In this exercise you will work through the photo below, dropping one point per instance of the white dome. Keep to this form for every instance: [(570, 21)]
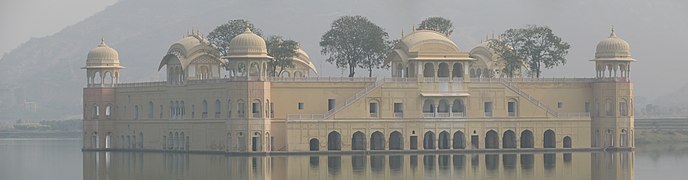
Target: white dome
[(613, 48), (247, 44), (102, 56), (428, 41)]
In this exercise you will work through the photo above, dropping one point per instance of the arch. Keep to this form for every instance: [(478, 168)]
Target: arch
[(443, 106), (491, 140), (396, 141), (177, 109), (230, 144), (443, 142), (358, 141), (254, 69), (509, 139), (487, 73), (527, 139), (298, 74), (285, 74), (218, 108), (257, 144), (567, 142), (107, 79), (256, 108), (443, 70), (377, 141), (458, 106), (457, 70), (136, 112), (229, 108), (170, 144), (623, 138), (205, 109), (313, 144), (472, 73), (177, 144), (140, 140), (108, 111), (334, 141), (549, 139), (623, 107), (609, 107), (182, 110), (428, 106), (479, 73), (429, 140), (428, 70), (411, 70), (150, 109), (459, 141), (97, 78), (96, 111)]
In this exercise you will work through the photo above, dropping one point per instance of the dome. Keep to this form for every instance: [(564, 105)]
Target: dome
[(613, 48), (102, 56), (429, 41), (303, 58), (247, 44)]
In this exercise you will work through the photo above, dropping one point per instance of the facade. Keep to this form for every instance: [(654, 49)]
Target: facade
[(437, 98)]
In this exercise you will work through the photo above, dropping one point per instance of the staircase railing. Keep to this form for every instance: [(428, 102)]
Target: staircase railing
[(360, 94), (528, 97)]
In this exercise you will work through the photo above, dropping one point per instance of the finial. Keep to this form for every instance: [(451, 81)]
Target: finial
[(102, 40), (414, 28), (613, 33)]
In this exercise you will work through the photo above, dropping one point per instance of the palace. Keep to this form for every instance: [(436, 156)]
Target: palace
[(437, 98)]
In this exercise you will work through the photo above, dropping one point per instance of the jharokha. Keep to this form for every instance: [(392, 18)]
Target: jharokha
[(438, 98)]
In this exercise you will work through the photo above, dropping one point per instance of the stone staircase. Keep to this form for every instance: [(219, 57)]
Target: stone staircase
[(360, 94), (525, 95)]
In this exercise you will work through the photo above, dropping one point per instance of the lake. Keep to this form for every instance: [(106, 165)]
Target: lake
[(63, 159)]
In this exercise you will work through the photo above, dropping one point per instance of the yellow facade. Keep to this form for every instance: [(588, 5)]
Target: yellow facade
[(437, 98)]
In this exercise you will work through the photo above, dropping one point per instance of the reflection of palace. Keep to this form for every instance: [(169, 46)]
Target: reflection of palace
[(437, 98), (560, 166)]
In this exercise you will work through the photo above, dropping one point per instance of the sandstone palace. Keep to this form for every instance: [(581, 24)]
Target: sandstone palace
[(437, 98)]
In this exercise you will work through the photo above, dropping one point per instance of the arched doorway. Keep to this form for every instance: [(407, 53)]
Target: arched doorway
[(567, 142), (443, 70), (459, 140), (396, 141), (491, 140), (429, 140), (509, 139), (527, 140), (334, 141), (377, 141), (428, 70), (550, 139), (358, 141), (314, 145), (443, 142)]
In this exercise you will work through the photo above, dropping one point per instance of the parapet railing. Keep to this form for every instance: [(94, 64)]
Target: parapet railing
[(534, 79), (323, 79), (360, 94)]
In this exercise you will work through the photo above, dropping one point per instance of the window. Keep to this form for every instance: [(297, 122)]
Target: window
[(488, 109), (511, 108), (150, 109), (205, 109), (218, 108), (160, 111), (330, 104), (560, 105), (398, 107), (241, 109), (300, 106), (587, 107), (108, 111), (373, 109), (255, 107), (623, 108)]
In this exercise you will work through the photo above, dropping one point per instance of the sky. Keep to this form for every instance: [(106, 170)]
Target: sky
[(654, 29), (24, 19)]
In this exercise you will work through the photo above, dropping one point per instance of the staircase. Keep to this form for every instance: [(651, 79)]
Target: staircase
[(528, 97), (360, 94)]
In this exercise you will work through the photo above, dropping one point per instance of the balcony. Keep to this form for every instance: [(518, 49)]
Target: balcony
[(373, 115), (458, 114), (512, 114), (217, 115), (204, 115), (488, 114), (442, 115), (256, 115), (428, 115)]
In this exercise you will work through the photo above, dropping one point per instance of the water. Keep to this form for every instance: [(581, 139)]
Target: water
[(63, 159)]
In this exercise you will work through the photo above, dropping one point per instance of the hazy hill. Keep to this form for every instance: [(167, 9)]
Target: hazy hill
[(48, 68)]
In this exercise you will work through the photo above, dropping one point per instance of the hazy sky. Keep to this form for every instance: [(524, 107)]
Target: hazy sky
[(24, 19)]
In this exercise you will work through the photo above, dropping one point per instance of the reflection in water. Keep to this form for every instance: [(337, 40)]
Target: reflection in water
[(133, 165)]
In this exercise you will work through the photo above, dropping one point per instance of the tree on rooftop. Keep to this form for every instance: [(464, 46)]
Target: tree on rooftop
[(223, 34), (438, 24), (282, 51), (533, 46), (354, 41)]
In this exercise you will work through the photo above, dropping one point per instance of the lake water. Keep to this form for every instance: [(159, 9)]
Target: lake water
[(63, 159)]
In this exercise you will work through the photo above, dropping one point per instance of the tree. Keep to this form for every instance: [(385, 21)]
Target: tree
[(223, 34), (533, 45), (503, 48), (438, 24), (354, 41), (542, 47), (282, 52)]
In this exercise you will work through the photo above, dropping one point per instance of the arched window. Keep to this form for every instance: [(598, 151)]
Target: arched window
[(229, 108), (136, 112), (549, 139), (458, 108), (377, 141), (428, 106), (609, 107), (623, 107), (241, 109), (171, 109), (150, 109), (459, 140), (314, 144), (457, 71), (182, 110), (491, 140), (255, 108), (512, 108), (509, 139), (527, 139), (443, 70), (428, 70), (108, 111), (218, 108), (358, 141), (396, 141), (334, 141), (177, 110), (96, 111), (443, 106), (205, 109)]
